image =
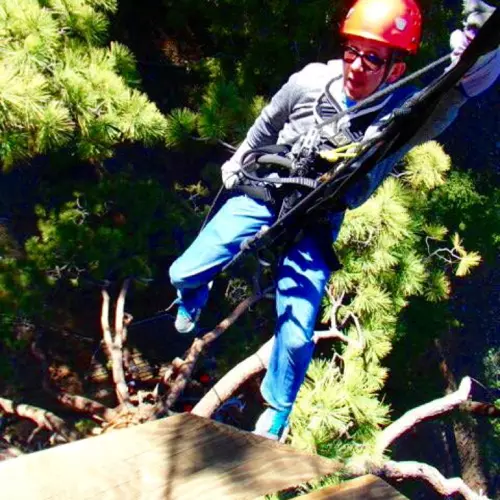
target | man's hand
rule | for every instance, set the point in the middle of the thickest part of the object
(231, 175)
(486, 70)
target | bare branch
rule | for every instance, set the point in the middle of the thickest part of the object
(366, 242)
(336, 303)
(359, 330)
(34, 433)
(8, 451)
(119, 316)
(426, 411)
(232, 380)
(86, 406)
(440, 252)
(42, 418)
(127, 319)
(417, 470)
(106, 330)
(186, 369)
(168, 374)
(336, 335)
(334, 332)
(479, 408)
(114, 347)
(121, 387)
(398, 175)
(79, 404)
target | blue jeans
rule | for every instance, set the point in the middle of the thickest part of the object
(302, 277)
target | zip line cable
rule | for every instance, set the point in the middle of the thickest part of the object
(389, 141)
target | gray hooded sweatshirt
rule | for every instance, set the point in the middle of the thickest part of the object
(316, 93)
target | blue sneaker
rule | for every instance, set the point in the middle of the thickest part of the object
(184, 321)
(273, 424)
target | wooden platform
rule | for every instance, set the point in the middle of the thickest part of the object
(180, 457)
(366, 488)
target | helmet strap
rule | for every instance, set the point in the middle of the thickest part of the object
(390, 63)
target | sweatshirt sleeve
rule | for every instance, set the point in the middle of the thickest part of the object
(439, 119)
(267, 126)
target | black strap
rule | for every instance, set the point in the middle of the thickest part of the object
(398, 131)
(322, 235)
(321, 232)
(261, 193)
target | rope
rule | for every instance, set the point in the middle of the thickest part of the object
(382, 93)
(334, 154)
(397, 132)
(212, 208)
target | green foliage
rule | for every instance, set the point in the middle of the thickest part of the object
(426, 165)
(60, 88)
(118, 227)
(492, 368)
(256, 44)
(226, 113)
(439, 286)
(468, 260)
(181, 127)
(471, 204)
(337, 413)
(438, 18)
(388, 248)
(85, 426)
(83, 19)
(492, 379)
(20, 300)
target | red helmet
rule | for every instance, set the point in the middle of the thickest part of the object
(396, 23)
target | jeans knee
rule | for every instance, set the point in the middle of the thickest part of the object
(177, 277)
(296, 341)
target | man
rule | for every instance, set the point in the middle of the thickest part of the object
(378, 34)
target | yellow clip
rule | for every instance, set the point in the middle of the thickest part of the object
(347, 151)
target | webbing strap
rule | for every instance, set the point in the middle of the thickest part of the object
(398, 131)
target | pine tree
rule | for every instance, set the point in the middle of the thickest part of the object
(61, 87)
(226, 114)
(66, 91)
(392, 248)
(492, 378)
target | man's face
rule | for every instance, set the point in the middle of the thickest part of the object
(365, 67)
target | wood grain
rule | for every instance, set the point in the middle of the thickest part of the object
(362, 488)
(180, 457)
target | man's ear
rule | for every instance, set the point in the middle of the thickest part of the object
(397, 71)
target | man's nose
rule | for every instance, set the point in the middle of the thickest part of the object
(357, 64)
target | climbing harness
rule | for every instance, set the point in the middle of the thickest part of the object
(326, 190)
(257, 189)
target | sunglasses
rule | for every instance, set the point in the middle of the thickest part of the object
(371, 61)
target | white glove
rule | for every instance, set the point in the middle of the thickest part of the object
(231, 174)
(485, 71)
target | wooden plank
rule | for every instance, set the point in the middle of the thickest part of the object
(362, 488)
(180, 457)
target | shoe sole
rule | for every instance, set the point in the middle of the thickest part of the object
(184, 331)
